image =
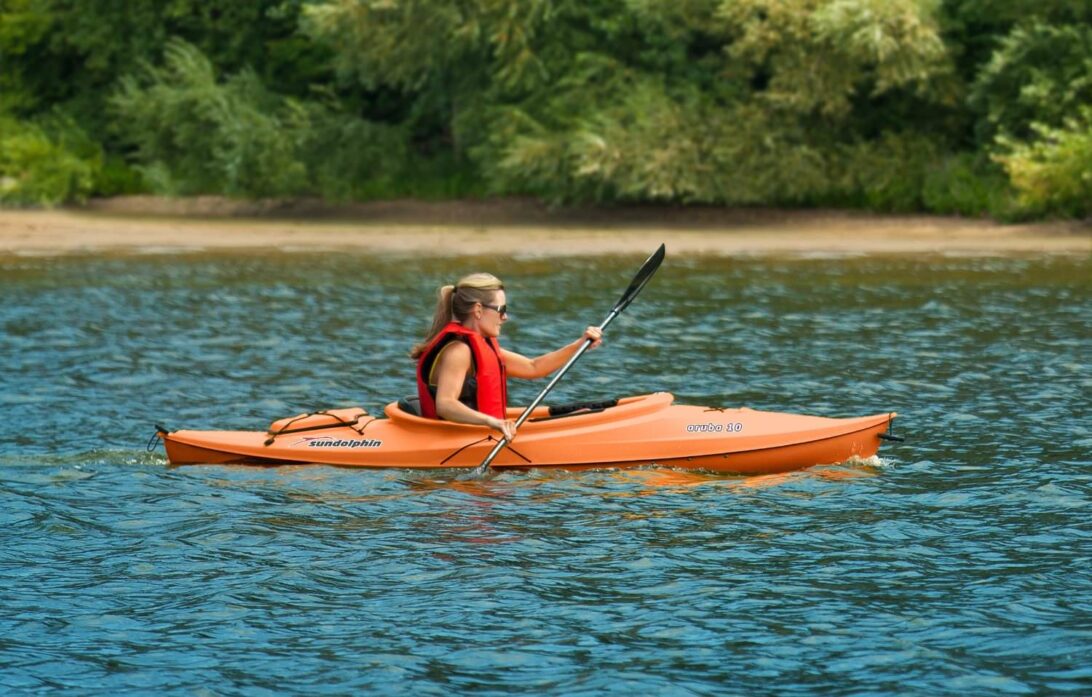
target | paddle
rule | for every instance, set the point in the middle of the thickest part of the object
(643, 276)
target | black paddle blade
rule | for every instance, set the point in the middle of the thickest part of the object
(643, 276)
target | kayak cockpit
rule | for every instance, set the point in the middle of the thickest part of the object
(593, 412)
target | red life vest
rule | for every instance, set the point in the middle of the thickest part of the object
(491, 396)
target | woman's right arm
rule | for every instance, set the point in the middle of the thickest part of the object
(451, 369)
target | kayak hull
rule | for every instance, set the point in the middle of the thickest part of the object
(639, 431)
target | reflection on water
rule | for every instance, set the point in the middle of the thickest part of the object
(658, 479)
(956, 563)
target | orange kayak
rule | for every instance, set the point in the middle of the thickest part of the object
(629, 432)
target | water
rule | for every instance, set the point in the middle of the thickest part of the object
(956, 564)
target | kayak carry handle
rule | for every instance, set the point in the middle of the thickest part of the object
(154, 440)
(890, 435)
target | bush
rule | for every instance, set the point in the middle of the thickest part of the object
(117, 178)
(964, 185)
(1053, 174)
(38, 170)
(348, 158)
(195, 135)
(886, 174)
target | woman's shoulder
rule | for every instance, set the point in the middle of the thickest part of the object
(454, 356)
(458, 350)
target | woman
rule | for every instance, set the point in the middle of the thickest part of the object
(462, 371)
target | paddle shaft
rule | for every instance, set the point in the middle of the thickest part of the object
(542, 395)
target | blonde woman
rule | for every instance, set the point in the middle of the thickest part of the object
(462, 371)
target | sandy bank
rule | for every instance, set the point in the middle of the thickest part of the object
(509, 227)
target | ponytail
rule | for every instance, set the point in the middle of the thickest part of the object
(453, 304)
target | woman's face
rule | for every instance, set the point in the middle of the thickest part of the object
(494, 314)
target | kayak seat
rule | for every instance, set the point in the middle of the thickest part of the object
(561, 411)
(411, 404)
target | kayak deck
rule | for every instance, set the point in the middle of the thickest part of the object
(640, 430)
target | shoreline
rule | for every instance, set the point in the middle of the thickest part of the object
(512, 227)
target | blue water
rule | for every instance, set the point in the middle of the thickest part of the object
(956, 563)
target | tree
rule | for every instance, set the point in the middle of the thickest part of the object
(1039, 74)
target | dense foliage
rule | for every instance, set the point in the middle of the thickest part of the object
(954, 106)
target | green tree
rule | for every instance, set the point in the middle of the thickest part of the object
(1040, 74)
(450, 57)
(70, 54)
(886, 104)
(24, 26)
(704, 100)
(815, 55)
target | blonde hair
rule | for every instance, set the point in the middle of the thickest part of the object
(454, 303)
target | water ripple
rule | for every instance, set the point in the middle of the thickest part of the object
(959, 563)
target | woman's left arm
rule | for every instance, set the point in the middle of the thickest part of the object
(520, 366)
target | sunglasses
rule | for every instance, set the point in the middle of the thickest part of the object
(501, 310)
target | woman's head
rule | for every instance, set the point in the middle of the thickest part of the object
(470, 292)
(479, 297)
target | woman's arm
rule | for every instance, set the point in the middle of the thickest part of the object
(451, 369)
(520, 366)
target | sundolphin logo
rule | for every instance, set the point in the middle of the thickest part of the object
(328, 442)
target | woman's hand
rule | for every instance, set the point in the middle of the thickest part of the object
(596, 336)
(507, 427)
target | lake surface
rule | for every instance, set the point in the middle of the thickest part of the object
(956, 563)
